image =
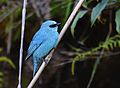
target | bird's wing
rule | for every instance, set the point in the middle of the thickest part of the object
(56, 41)
(45, 48)
(31, 50)
(35, 43)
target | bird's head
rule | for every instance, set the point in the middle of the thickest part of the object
(51, 25)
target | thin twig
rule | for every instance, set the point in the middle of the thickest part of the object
(21, 45)
(64, 62)
(9, 41)
(6, 14)
(95, 68)
(35, 8)
(60, 37)
(101, 53)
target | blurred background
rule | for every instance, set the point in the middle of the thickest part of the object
(89, 52)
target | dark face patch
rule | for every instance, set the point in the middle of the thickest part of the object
(54, 25)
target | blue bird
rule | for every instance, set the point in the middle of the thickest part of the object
(44, 40)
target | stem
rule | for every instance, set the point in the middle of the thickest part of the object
(21, 45)
(95, 68)
(102, 51)
(60, 37)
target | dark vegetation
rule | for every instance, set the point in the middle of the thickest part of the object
(90, 47)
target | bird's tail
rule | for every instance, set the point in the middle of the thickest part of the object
(27, 57)
(36, 65)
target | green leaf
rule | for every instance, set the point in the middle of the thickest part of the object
(73, 67)
(1, 74)
(68, 9)
(9, 24)
(105, 46)
(86, 3)
(1, 80)
(111, 46)
(74, 48)
(16, 35)
(78, 16)
(5, 59)
(17, 11)
(117, 20)
(97, 10)
(115, 44)
(1, 49)
(118, 43)
(2, 1)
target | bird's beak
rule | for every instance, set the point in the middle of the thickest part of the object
(58, 24)
(54, 25)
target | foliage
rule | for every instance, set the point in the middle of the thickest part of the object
(8, 14)
(97, 11)
(63, 5)
(10, 20)
(79, 15)
(109, 44)
(1, 79)
(5, 59)
(117, 20)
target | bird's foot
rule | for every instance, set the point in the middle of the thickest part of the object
(46, 61)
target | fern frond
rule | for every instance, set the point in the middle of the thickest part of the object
(108, 45)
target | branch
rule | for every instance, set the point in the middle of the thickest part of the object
(21, 45)
(60, 37)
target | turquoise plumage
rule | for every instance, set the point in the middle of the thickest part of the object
(43, 42)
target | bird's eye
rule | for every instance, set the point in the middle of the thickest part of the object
(53, 25)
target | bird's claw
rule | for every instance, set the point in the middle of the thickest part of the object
(46, 61)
